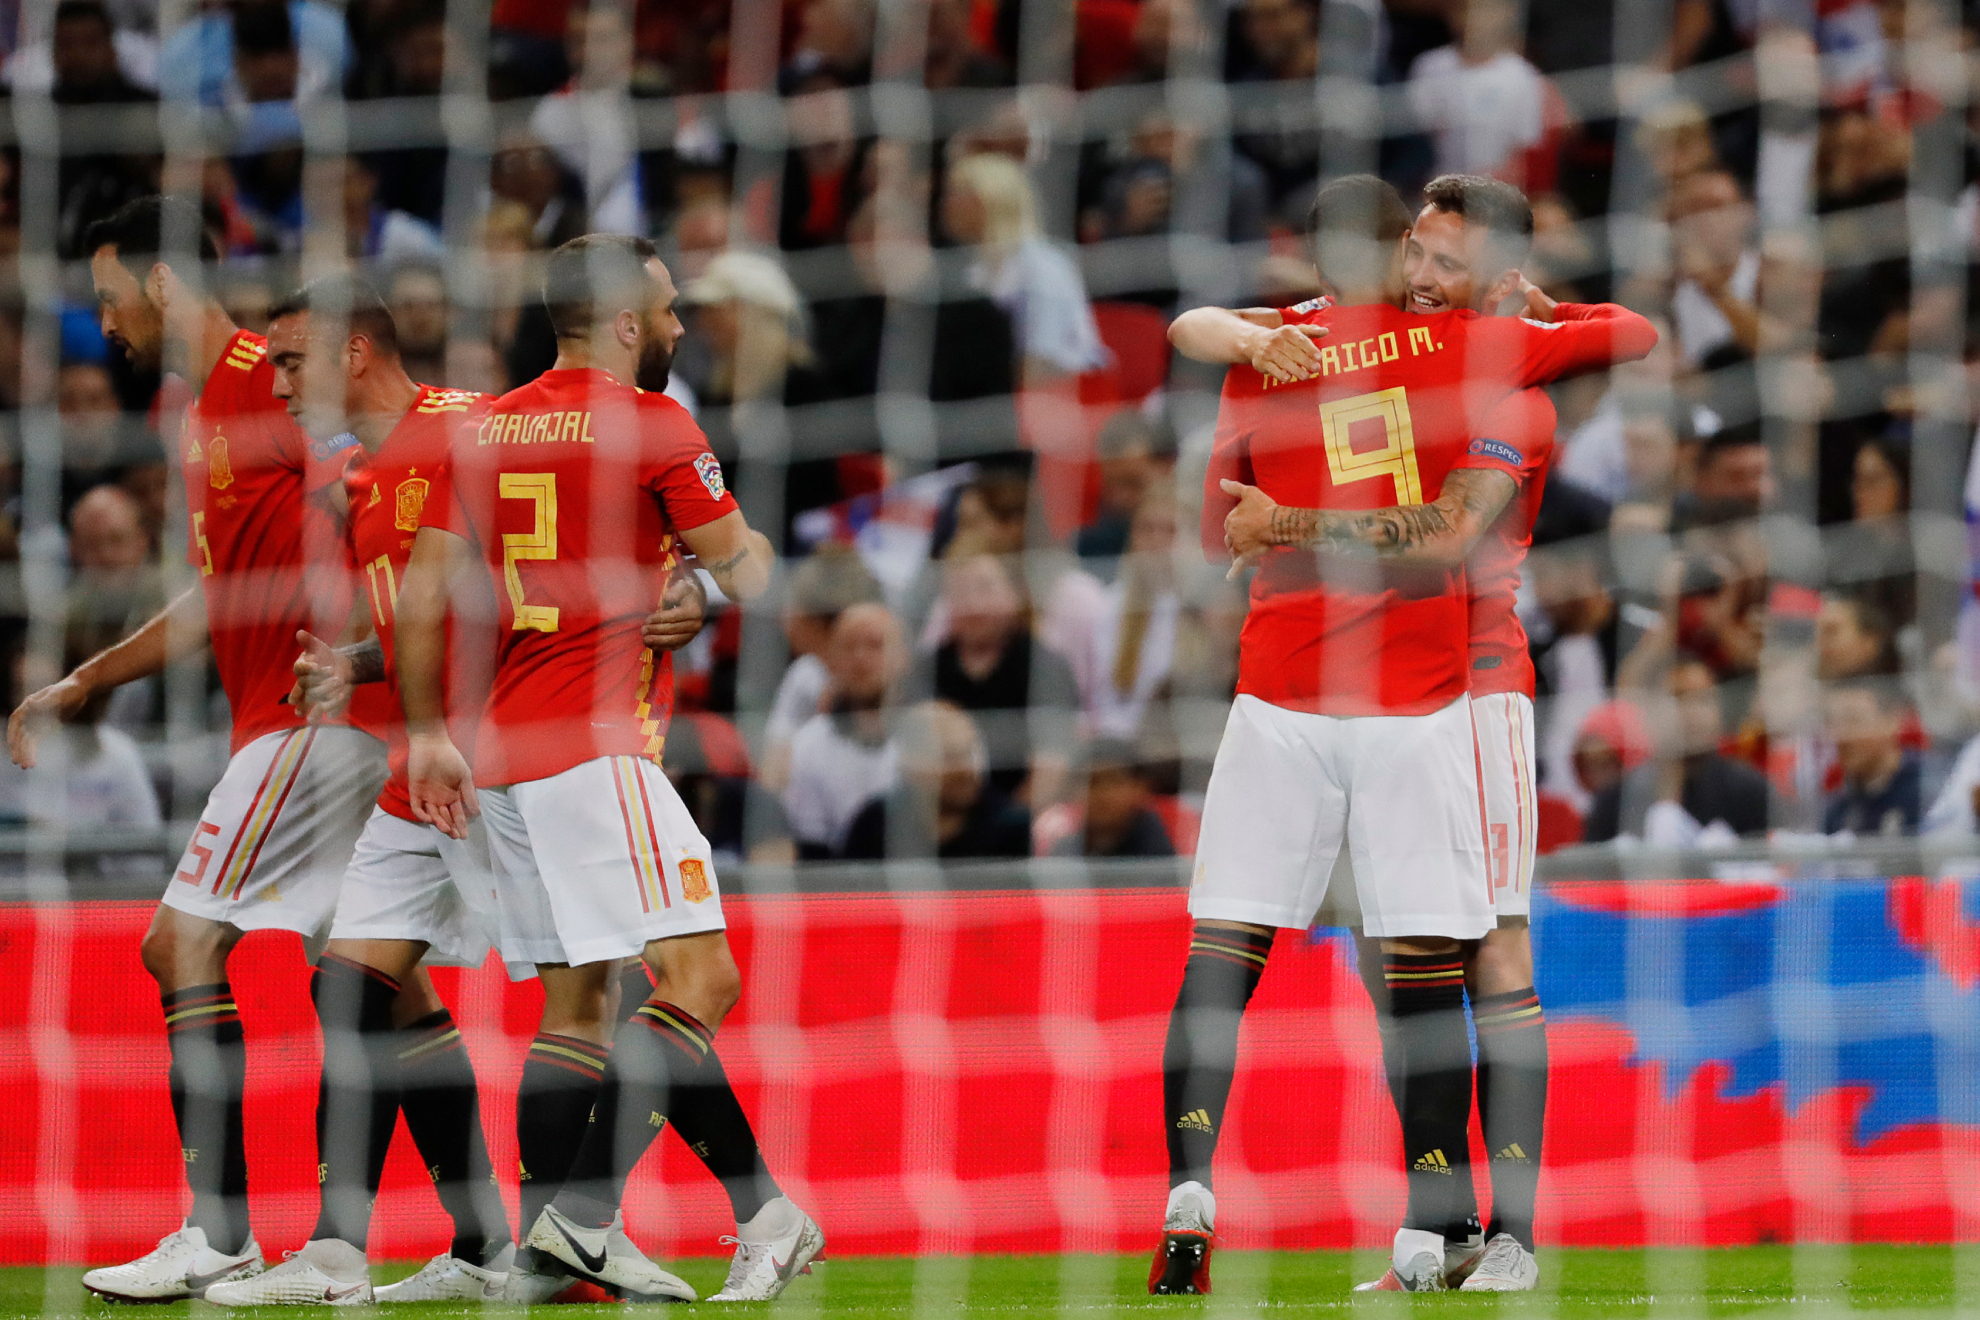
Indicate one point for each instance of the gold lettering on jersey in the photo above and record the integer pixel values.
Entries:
(219, 473)
(1330, 360)
(1387, 343)
(1397, 456)
(570, 427)
(1419, 341)
(412, 498)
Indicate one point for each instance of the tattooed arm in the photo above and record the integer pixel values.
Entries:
(735, 555)
(1441, 532)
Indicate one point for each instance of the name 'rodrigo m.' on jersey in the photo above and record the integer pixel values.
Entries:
(1400, 402)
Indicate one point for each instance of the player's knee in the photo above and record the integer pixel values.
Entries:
(180, 952)
(1504, 960)
(1420, 944)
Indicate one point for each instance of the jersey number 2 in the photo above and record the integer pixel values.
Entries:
(540, 542)
(1396, 458)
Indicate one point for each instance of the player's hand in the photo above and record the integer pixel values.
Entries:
(439, 783)
(55, 704)
(1539, 307)
(1248, 527)
(323, 684)
(683, 610)
(1286, 354)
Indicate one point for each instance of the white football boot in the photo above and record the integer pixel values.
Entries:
(607, 1257)
(1506, 1267)
(1418, 1260)
(1461, 1257)
(450, 1279)
(179, 1267)
(771, 1250)
(326, 1272)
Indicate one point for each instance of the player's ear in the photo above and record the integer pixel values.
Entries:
(626, 326)
(157, 281)
(1507, 286)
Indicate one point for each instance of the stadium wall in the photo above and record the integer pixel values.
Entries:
(978, 1072)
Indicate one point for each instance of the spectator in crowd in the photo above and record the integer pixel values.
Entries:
(1612, 742)
(749, 317)
(92, 424)
(1134, 635)
(1882, 780)
(588, 122)
(1484, 106)
(1715, 301)
(1136, 452)
(1783, 735)
(77, 55)
(1733, 479)
(1577, 644)
(1689, 795)
(944, 805)
(1676, 138)
(835, 38)
(416, 291)
(822, 174)
(86, 71)
(87, 774)
(410, 60)
(988, 207)
(945, 54)
(1873, 549)
(107, 543)
(527, 172)
(1281, 39)
(201, 64)
(373, 231)
(708, 764)
(821, 588)
(1117, 820)
(1166, 179)
(1021, 694)
(1854, 638)
(842, 756)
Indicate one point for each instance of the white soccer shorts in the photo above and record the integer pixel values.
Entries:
(1504, 721)
(1288, 788)
(270, 849)
(593, 863)
(409, 881)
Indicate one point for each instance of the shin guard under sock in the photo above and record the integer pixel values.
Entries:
(1426, 999)
(208, 1074)
(357, 1102)
(443, 1114)
(1512, 1102)
(1200, 1057)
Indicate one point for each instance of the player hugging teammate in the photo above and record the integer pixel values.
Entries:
(407, 540)
(1384, 713)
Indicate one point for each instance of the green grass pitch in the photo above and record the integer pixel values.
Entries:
(1913, 1280)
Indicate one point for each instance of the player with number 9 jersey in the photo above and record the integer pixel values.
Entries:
(1362, 663)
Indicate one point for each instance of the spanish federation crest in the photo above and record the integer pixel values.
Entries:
(411, 499)
(709, 469)
(694, 872)
(219, 473)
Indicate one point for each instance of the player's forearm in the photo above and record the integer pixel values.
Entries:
(1623, 335)
(419, 637)
(1217, 334)
(177, 630)
(1442, 533)
(366, 660)
(744, 573)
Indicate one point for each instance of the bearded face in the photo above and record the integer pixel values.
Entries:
(656, 357)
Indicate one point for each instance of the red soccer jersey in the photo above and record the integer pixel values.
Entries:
(1500, 661)
(1399, 399)
(388, 491)
(576, 488)
(264, 540)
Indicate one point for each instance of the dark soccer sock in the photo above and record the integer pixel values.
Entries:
(209, 1072)
(1426, 997)
(658, 1046)
(1512, 1102)
(709, 1118)
(1200, 1057)
(560, 1081)
(1369, 956)
(443, 1113)
(357, 1102)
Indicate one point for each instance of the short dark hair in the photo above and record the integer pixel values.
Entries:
(263, 28)
(350, 297)
(1870, 614)
(595, 269)
(90, 11)
(1742, 435)
(1881, 688)
(141, 228)
(1499, 208)
(1355, 206)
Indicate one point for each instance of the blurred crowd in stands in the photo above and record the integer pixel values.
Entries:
(926, 311)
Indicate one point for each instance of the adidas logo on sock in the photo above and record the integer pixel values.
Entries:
(1197, 1120)
(1512, 1152)
(1434, 1162)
